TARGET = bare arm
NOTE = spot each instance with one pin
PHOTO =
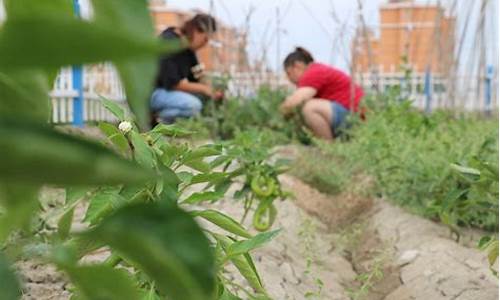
(297, 98)
(194, 87)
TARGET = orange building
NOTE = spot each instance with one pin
(421, 33)
(226, 52)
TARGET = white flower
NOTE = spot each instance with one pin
(125, 126)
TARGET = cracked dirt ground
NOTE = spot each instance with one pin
(421, 261)
(327, 243)
(423, 257)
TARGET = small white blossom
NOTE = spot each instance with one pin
(125, 126)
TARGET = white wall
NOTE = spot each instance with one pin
(2, 12)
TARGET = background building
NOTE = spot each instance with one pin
(422, 33)
(413, 46)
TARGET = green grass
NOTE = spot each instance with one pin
(408, 155)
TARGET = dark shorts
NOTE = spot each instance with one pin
(339, 118)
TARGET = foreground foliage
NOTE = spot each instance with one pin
(135, 189)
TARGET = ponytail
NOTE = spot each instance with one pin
(299, 55)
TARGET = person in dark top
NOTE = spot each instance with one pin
(178, 84)
(326, 94)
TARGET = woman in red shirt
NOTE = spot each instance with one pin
(327, 94)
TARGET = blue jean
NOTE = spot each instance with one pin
(170, 105)
(339, 121)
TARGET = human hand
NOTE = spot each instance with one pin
(208, 91)
(286, 109)
(218, 95)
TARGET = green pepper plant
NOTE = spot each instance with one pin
(261, 184)
(132, 196)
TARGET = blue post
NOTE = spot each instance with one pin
(428, 90)
(487, 92)
(77, 71)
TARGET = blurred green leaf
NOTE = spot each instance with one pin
(198, 165)
(170, 154)
(223, 221)
(101, 282)
(243, 263)
(64, 224)
(115, 136)
(137, 75)
(135, 194)
(9, 285)
(60, 158)
(114, 108)
(240, 194)
(74, 194)
(171, 181)
(452, 197)
(489, 244)
(202, 152)
(21, 203)
(171, 130)
(220, 160)
(493, 252)
(202, 197)
(208, 177)
(223, 186)
(170, 177)
(29, 8)
(25, 94)
(185, 177)
(242, 247)
(150, 294)
(465, 170)
(103, 203)
(227, 295)
(121, 31)
(142, 151)
(166, 244)
(83, 245)
(260, 297)
(484, 242)
(19, 37)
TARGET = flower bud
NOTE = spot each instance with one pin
(125, 126)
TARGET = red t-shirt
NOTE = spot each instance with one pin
(331, 84)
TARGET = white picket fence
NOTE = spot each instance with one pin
(103, 80)
(99, 80)
(460, 93)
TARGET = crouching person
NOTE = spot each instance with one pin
(178, 86)
(325, 94)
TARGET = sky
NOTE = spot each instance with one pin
(322, 26)
(325, 27)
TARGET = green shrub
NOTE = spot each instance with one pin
(408, 155)
(224, 120)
